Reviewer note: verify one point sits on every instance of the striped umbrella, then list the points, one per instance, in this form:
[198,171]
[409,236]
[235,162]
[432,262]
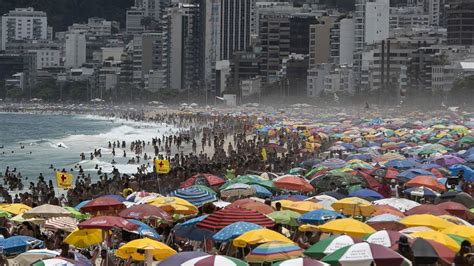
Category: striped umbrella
[329,245]
[230,215]
[274,251]
[234,230]
[189,230]
[216,260]
[300,262]
[67,224]
[195,195]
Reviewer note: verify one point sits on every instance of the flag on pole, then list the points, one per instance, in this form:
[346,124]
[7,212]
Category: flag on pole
[162,166]
[264,154]
[64,180]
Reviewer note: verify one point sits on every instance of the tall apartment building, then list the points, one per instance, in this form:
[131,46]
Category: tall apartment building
[75,50]
[155,59]
[299,32]
[23,23]
[95,27]
[460,22]
[319,41]
[342,41]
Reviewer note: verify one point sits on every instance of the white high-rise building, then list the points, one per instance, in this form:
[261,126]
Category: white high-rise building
[23,24]
[75,50]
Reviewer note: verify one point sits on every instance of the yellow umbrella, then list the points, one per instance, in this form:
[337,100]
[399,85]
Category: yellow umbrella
[347,226]
[439,237]
[152,248]
[463,231]
[308,227]
[174,205]
[298,206]
[84,238]
[259,236]
[428,220]
[354,206]
[15,208]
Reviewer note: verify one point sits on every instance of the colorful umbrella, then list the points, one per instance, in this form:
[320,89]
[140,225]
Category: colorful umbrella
[251,204]
[439,237]
[293,183]
[334,163]
[181,257]
[261,191]
[144,229]
[364,254]
[216,260]
[447,160]
[300,262]
[67,224]
[428,220]
[401,164]
[454,208]
[285,217]
[76,214]
[174,205]
[190,230]
[145,211]
[107,223]
[466,232]
[384,238]
[19,244]
[102,204]
[412,173]
[366,193]
[329,245]
[196,196]
[134,249]
[298,206]
[203,179]
[274,251]
[30,256]
[429,252]
[400,204]
[234,230]
[238,190]
[15,208]
[320,216]
[354,206]
[259,236]
[84,238]
[230,215]
[46,211]
[426,181]
[426,209]
[347,226]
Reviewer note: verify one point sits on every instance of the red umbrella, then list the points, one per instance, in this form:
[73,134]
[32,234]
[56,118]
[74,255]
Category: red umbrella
[395,226]
[381,209]
[426,209]
[454,208]
[251,204]
[293,183]
[426,181]
[203,179]
[371,181]
[107,223]
[224,217]
[102,204]
[145,211]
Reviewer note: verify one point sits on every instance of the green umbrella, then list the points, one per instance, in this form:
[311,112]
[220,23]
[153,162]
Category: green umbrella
[77,214]
[286,217]
[5,214]
[467,139]
[329,245]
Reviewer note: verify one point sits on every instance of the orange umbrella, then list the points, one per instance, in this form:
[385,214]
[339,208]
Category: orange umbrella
[293,183]
[251,204]
[426,181]
[381,209]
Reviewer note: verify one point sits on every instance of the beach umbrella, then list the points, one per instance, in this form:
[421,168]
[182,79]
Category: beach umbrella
[203,179]
[348,226]
[262,192]
[426,181]
[174,205]
[401,164]
[76,214]
[145,211]
[107,223]
[181,257]
[422,192]
[439,237]
[455,220]
[234,230]
[320,216]
[384,209]
[259,236]
[386,238]
[144,229]
[230,215]
[454,208]
[428,220]
[298,206]
[334,163]
[285,217]
[398,203]
[274,251]
[196,196]
[386,217]
[141,196]
[15,208]
[426,209]
[238,190]
[102,204]
[5,214]
[84,238]
[115,197]
[427,251]
[190,231]
[364,254]
[19,244]
[46,211]
[205,188]
[300,262]
[293,183]
[291,197]
[329,245]
[30,256]
[415,229]
[459,197]
[214,260]
[411,173]
[366,193]
[81,204]
[67,224]
[55,262]
[447,160]
[152,249]
[464,231]
[354,206]
[468,173]
[251,204]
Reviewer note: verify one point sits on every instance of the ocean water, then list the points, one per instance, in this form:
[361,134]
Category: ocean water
[59,140]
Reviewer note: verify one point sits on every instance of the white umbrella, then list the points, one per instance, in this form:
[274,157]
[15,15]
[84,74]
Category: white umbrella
[402,205]
[30,256]
[46,211]
[238,189]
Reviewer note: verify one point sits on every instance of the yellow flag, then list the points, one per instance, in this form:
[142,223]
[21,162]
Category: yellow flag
[162,166]
[264,154]
[64,180]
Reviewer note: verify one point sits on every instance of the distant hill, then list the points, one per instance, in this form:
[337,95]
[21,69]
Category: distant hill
[63,13]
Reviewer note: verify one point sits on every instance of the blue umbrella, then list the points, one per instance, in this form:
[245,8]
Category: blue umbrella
[319,216]
[144,229]
[115,197]
[401,164]
[444,180]
[470,158]
[181,257]
[195,195]
[81,204]
[296,197]
[468,172]
[189,230]
[421,192]
[411,173]
[430,166]
[366,193]
[19,244]
[262,192]
[468,153]
[234,230]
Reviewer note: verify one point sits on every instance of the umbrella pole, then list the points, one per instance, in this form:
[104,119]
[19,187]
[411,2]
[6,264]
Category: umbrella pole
[148,258]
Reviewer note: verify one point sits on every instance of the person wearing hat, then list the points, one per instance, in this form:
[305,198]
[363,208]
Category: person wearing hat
[404,248]
[461,259]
